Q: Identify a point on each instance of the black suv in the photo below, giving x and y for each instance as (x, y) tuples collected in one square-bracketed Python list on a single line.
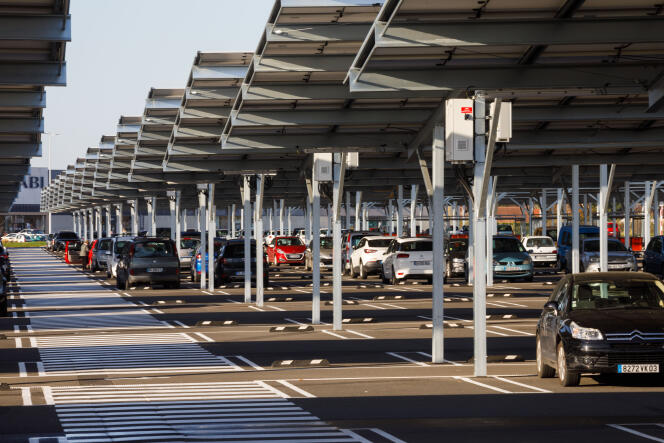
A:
[(229, 265), (149, 260), (62, 237), (602, 322)]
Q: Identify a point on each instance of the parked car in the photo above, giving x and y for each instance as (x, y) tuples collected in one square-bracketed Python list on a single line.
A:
[(613, 229), (653, 258), (456, 250), (5, 265), (101, 254), (542, 251), (510, 260), (49, 242), (620, 259), (407, 258), (229, 265), (73, 251), (115, 249), (149, 260), (186, 251), (325, 254), (505, 229), (602, 323), (565, 242), (367, 256), (285, 250), (350, 240), (195, 262), (63, 237)]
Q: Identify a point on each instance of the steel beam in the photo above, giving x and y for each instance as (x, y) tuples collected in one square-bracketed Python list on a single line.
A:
[(52, 28), (307, 117), (33, 74), (316, 33), (246, 226), (575, 220), (302, 63)]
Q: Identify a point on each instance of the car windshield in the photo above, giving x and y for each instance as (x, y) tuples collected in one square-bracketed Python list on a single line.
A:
[(540, 242), (505, 228), (621, 294), (237, 250), (189, 243), (153, 249), (379, 242), (457, 246), (507, 245), (326, 242), (355, 239), (414, 246), (289, 241), (119, 245), (593, 246)]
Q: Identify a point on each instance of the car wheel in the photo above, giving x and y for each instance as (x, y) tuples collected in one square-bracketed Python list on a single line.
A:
[(353, 274), (394, 280), (529, 279), (175, 285), (543, 370), (363, 272), (448, 270), (566, 377)]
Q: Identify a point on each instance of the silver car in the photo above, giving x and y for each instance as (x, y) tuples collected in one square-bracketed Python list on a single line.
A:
[(113, 255), (187, 247), (620, 258)]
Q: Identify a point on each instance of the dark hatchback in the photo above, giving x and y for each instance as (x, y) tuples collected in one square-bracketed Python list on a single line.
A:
[(149, 260), (602, 323), (230, 262)]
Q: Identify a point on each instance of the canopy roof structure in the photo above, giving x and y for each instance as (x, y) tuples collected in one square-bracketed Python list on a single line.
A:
[(33, 36), (585, 80)]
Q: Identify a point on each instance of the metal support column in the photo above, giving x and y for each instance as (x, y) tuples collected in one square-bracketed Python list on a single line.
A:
[(150, 210), (232, 228), (347, 210), (601, 209), (289, 211), (627, 223), (246, 226), (651, 188), (202, 214), (118, 219), (172, 213), (84, 230), (337, 245), (212, 230), (438, 179), (413, 205), (258, 234), (358, 207), (559, 211), (390, 215), (575, 220), (315, 250), (543, 207), (281, 217), (489, 233), (400, 211)]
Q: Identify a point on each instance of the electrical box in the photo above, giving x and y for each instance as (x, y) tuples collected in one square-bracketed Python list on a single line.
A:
[(323, 167), (459, 130), (352, 160), (504, 130)]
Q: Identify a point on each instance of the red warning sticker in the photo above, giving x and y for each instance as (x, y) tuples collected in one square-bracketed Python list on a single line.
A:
[(466, 109)]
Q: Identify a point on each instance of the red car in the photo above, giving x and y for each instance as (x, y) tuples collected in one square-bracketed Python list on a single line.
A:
[(614, 231), (288, 250)]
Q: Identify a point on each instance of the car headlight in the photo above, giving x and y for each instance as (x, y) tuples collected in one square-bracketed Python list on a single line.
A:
[(581, 333), (279, 251), (527, 261), (496, 263), (594, 259)]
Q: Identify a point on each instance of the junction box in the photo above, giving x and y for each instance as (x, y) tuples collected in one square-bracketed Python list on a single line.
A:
[(323, 167), (459, 130), (504, 130)]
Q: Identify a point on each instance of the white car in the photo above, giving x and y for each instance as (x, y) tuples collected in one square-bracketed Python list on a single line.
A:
[(367, 255), (542, 251), (408, 258), (12, 238), (116, 247)]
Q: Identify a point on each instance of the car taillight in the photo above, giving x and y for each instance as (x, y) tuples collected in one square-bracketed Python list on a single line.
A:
[(554, 251), (198, 256), (131, 250), (224, 261), (131, 272), (403, 255), (177, 271), (369, 251)]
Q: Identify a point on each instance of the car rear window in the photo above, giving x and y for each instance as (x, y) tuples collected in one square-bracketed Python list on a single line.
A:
[(290, 241), (379, 243), (119, 245), (457, 246), (415, 246), (153, 249), (68, 236), (326, 242), (539, 242), (237, 251)]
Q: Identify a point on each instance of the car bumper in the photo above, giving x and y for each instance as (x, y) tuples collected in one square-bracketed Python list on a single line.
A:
[(458, 267), (168, 275), (413, 273), (373, 266), (521, 271), (594, 267), (602, 358), (290, 261)]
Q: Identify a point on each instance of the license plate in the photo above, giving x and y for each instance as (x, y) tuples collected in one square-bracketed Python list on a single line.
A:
[(639, 369), (155, 269), (616, 266), (239, 273), (511, 268), (421, 263)]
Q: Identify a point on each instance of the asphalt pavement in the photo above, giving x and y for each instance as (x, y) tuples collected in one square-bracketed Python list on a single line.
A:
[(83, 361)]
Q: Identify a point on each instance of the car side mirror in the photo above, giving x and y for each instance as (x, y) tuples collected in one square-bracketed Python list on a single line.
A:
[(530, 251), (551, 307)]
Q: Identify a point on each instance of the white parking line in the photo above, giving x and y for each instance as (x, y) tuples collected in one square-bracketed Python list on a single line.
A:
[(633, 432), (274, 307), (233, 301), (394, 306), (359, 333), (256, 308), (513, 330), (296, 389), (223, 292), (374, 306), (410, 360), (484, 385), (535, 388), (250, 363), (336, 335), (453, 363), (181, 324), (290, 320), (204, 337), (27, 398)]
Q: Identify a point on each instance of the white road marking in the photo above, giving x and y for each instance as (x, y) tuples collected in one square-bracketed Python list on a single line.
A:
[(296, 389), (410, 360), (484, 385), (255, 308), (26, 396), (637, 433), (535, 388), (359, 333), (181, 324), (204, 337), (250, 363)]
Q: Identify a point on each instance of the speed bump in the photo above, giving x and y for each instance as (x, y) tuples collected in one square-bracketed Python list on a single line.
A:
[(358, 320), (317, 362), (303, 328), (216, 323)]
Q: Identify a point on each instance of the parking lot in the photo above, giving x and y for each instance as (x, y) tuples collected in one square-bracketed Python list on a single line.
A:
[(73, 338)]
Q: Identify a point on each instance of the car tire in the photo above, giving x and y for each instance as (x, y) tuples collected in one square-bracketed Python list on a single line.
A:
[(121, 283), (4, 311), (543, 370), (353, 274), (448, 270), (363, 272), (529, 279), (394, 280), (565, 377)]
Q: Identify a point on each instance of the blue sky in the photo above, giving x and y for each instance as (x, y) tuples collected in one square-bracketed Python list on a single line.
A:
[(122, 48)]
